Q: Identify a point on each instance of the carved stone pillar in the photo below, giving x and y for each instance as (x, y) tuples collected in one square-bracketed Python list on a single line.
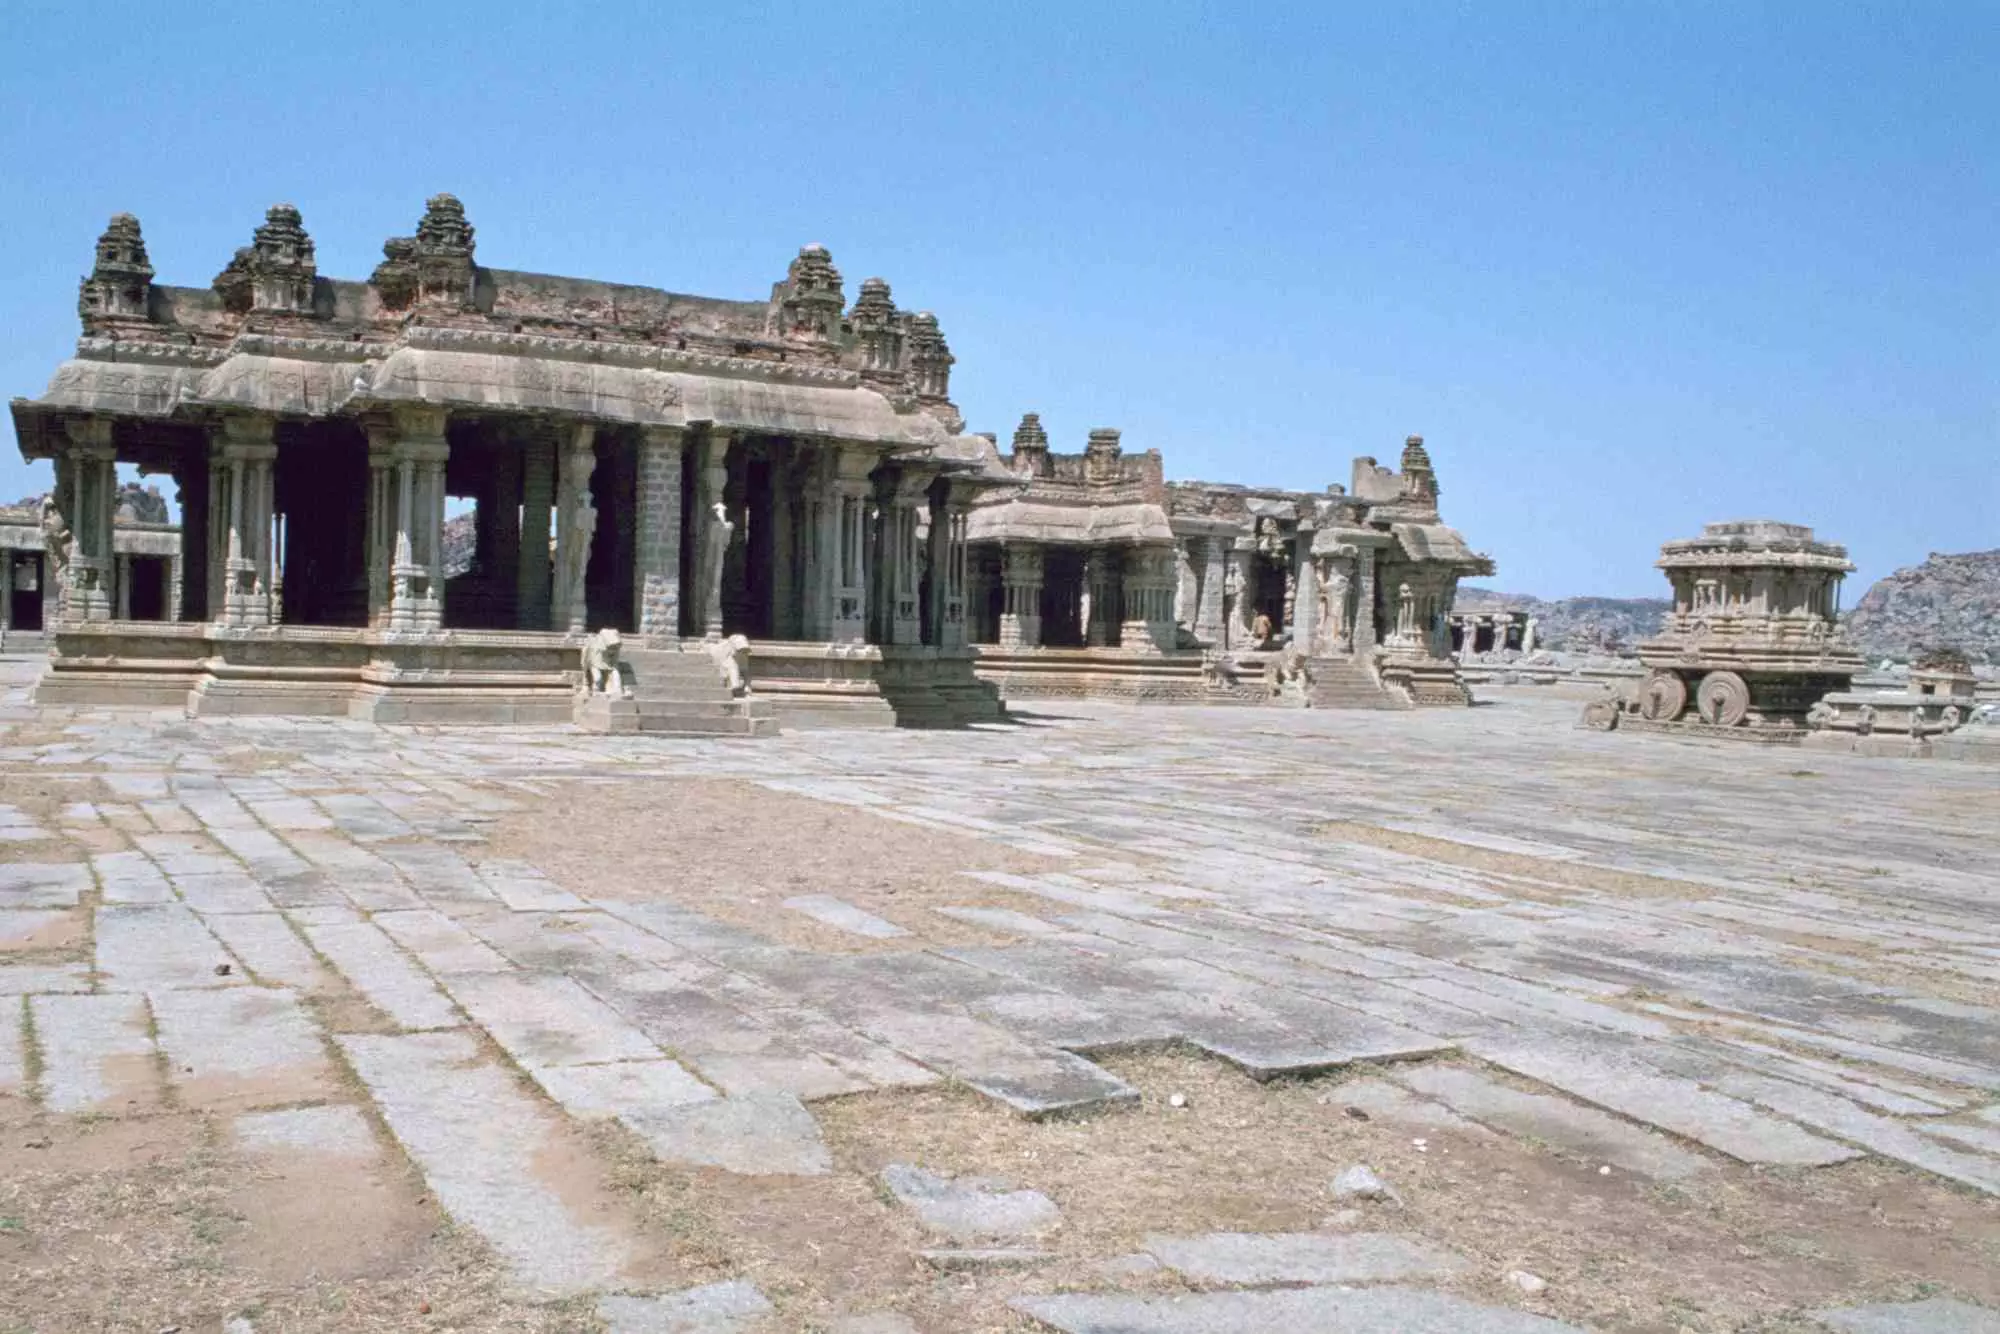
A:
[(1149, 600), (86, 480), (1364, 601), (712, 544), (1243, 596), (379, 520), (852, 571), (534, 588), (656, 577), (176, 572), (417, 451), (1208, 621), (6, 590), (123, 583), (1305, 600), (1101, 573), (950, 517), (820, 543), (576, 526), (240, 485), (1021, 613), (898, 618)]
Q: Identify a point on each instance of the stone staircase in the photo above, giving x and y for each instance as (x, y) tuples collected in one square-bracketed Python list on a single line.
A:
[(676, 693), (1343, 683)]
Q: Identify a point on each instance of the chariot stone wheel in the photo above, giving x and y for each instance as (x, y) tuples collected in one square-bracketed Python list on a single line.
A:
[(1722, 699), (1663, 698)]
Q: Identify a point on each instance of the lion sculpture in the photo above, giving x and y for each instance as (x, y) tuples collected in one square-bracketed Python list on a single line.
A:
[(600, 664), (731, 655)]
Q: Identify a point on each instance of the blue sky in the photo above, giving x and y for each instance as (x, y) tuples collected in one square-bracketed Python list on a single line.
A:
[(1628, 268)]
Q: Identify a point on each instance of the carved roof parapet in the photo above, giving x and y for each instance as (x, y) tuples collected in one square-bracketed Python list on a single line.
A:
[(878, 329), (120, 283), (432, 268), (1057, 491), (639, 356), (176, 353), (808, 303), (1749, 560), (930, 358), (275, 272)]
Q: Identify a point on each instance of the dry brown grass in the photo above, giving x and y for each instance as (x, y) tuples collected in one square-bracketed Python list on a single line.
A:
[(735, 852)]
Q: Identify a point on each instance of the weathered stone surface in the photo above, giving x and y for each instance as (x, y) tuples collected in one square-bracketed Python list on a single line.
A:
[(758, 1135), (380, 972), (548, 1021), (844, 916), (1298, 1311), (42, 885), (271, 950), (971, 1207), (621, 1088), (13, 1055), (1583, 1132), (339, 1130), (97, 1055), (150, 948), (718, 1308), (1937, 1315), (977, 1259), (1623, 1085), (1261, 1259), (478, 1138), (243, 1047)]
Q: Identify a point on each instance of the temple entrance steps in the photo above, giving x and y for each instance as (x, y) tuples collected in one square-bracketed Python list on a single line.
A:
[(677, 693), (1343, 683)]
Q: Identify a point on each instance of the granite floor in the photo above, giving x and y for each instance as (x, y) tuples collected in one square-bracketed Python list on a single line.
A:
[(1674, 957)]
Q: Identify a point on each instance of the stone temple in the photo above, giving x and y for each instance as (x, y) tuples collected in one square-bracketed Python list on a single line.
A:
[(678, 469)]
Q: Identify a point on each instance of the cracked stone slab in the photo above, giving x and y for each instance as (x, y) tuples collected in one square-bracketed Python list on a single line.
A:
[(23, 979), (244, 1047), (966, 1260), (1004, 920), (876, 1322), (759, 1135), (478, 1136), (844, 916), (1938, 1315), (97, 1053), (734, 1307), (42, 884), (339, 1131), (1584, 1132), (970, 1207), (1256, 1259), (1610, 1079), (1387, 1310)]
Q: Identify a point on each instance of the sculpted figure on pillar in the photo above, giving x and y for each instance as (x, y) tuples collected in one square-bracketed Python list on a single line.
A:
[(575, 557), (720, 530), (56, 540)]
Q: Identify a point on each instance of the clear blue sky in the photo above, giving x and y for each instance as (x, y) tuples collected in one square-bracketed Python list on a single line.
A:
[(1627, 267)]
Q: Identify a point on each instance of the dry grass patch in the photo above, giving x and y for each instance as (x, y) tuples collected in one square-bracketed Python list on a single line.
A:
[(735, 852)]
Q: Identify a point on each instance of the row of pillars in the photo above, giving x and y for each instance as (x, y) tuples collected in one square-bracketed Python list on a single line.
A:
[(860, 553), (1127, 597)]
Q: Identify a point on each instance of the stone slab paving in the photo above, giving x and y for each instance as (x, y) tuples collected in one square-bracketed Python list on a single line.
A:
[(13, 1050), (844, 916), (1938, 1315), (1388, 1310), (97, 1054), (242, 1047), (971, 1207), (1448, 890), (734, 1307), (479, 1140), (1583, 1132), (339, 1130), (1290, 1258)]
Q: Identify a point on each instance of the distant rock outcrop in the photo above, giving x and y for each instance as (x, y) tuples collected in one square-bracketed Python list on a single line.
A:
[(1950, 601), (460, 540), (1580, 625)]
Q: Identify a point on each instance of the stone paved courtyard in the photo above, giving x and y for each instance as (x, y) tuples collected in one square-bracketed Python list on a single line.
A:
[(1063, 1025)]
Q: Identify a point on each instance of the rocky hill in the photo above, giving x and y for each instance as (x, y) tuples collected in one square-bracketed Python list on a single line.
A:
[(460, 538), (1950, 601), (1578, 624)]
